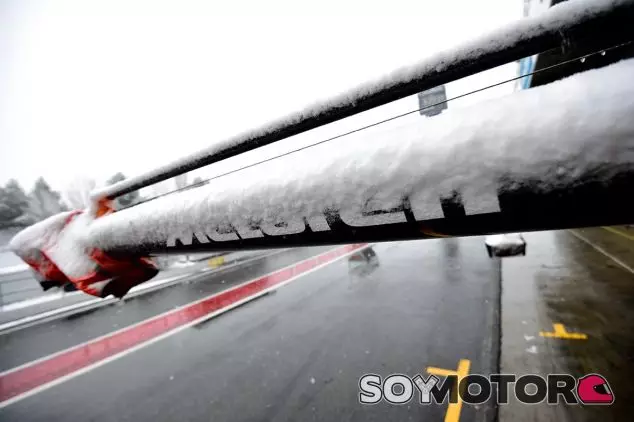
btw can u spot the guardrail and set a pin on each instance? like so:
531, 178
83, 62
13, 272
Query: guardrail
64, 308
16, 284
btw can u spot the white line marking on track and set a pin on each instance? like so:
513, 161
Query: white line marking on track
160, 337
127, 327
148, 287
602, 251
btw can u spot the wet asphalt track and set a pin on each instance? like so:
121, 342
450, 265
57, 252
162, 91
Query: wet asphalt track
294, 354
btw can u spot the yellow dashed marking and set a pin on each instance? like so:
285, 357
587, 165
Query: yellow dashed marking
216, 261
559, 331
453, 409
441, 372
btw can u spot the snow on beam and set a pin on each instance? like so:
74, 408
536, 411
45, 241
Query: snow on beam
555, 137
606, 20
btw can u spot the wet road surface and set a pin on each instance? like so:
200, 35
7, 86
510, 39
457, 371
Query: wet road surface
584, 280
35, 342
295, 354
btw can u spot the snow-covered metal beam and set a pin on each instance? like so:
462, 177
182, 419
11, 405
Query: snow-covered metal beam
592, 23
552, 157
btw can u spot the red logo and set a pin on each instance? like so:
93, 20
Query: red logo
594, 389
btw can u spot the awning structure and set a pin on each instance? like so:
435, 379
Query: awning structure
573, 58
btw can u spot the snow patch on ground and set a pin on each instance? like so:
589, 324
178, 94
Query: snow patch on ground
182, 264
14, 269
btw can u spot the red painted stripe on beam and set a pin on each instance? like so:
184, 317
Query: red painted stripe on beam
44, 371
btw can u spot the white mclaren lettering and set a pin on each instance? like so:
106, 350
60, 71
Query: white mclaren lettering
202, 237
247, 232
216, 236
360, 216
318, 223
480, 202
425, 205
293, 226
355, 218
185, 237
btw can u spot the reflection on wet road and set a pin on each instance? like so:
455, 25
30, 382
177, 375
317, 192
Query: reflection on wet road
574, 280
309, 322
298, 354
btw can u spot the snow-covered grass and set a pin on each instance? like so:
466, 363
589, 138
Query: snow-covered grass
182, 264
584, 121
556, 19
13, 269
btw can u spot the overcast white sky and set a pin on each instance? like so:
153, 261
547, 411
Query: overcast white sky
94, 88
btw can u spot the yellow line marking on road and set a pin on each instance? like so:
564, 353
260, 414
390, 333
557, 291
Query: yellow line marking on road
441, 372
619, 232
453, 409
216, 261
559, 331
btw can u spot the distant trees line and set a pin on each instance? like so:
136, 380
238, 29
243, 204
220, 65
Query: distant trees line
19, 208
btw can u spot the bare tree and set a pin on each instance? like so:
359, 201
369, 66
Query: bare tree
14, 205
77, 192
43, 201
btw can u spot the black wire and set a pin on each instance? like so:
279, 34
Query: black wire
204, 182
